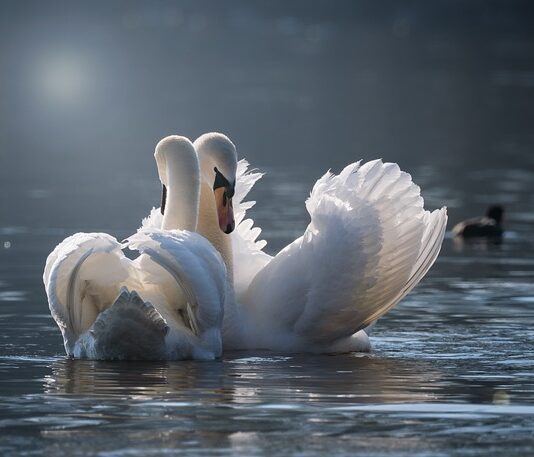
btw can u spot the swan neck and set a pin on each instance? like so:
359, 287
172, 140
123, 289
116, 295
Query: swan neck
208, 227
182, 203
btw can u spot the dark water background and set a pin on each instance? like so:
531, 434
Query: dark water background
444, 88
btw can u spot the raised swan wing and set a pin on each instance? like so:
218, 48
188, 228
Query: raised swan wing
369, 242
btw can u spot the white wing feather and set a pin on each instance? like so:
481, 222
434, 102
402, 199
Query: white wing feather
368, 244
153, 221
82, 277
248, 254
87, 275
195, 265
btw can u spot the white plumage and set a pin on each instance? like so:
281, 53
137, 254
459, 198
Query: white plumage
168, 303
248, 254
369, 242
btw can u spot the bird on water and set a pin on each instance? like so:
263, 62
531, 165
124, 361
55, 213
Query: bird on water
488, 226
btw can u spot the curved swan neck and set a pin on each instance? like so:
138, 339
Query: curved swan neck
215, 152
180, 173
208, 227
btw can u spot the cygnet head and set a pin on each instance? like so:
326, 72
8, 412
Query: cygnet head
218, 166
179, 173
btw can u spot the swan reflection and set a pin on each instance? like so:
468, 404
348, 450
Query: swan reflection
241, 379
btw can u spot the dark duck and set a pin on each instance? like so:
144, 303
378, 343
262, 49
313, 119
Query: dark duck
488, 226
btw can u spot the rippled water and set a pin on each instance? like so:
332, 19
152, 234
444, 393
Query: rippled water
451, 371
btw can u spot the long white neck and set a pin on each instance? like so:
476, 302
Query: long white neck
183, 190
215, 150
208, 227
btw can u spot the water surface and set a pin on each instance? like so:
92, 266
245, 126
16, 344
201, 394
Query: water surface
451, 369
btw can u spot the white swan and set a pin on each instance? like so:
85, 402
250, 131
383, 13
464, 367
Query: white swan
168, 303
369, 242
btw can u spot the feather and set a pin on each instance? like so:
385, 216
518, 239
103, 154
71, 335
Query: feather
174, 310
248, 255
369, 242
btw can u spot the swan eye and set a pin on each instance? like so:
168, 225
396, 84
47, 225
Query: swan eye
230, 190
220, 180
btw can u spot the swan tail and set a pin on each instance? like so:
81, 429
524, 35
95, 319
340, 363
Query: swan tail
81, 279
130, 329
369, 242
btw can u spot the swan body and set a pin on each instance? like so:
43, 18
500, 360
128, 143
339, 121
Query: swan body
168, 303
368, 244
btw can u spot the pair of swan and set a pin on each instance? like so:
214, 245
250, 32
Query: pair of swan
202, 280
168, 303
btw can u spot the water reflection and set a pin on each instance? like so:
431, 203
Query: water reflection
476, 244
243, 378
279, 404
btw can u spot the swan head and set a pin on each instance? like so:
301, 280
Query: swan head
218, 167
179, 173
173, 149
